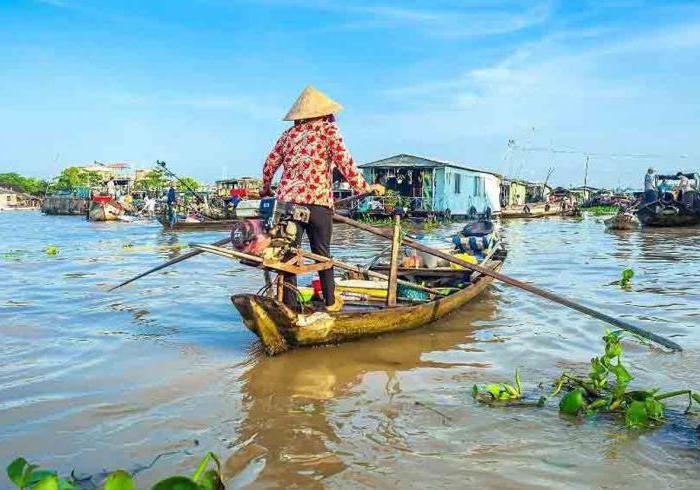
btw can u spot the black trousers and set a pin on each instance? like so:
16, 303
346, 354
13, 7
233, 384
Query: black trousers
319, 229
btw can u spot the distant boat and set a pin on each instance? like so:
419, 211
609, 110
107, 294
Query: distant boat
105, 208
65, 204
622, 221
246, 209
533, 210
673, 208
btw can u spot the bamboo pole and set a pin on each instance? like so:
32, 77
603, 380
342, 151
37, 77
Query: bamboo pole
394, 263
169, 263
233, 254
519, 284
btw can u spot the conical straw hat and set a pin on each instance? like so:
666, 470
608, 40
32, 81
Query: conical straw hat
312, 103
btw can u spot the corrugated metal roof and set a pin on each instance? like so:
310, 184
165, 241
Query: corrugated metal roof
406, 160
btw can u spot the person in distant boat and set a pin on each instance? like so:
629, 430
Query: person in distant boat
236, 195
111, 189
649, 186
149, 206
684, 184
664, 186
171, 201
308, 152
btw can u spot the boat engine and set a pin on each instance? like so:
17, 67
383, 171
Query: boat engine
274, 233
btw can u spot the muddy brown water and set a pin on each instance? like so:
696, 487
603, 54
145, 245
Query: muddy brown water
92, 381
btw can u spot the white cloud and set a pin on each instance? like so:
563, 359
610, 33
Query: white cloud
446, 19
625, 94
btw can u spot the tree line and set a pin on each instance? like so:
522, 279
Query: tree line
75, 177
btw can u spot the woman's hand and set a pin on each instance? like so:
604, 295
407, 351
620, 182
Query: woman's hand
377, 189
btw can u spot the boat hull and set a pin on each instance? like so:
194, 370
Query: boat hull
65, 206
533, 210
105, 211
281, 329
668, 215
199, 225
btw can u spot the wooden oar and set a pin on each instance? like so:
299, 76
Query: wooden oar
519, 284
169, 263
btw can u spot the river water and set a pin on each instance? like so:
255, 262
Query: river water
91, 380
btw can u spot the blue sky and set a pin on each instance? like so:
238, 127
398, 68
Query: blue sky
203, 84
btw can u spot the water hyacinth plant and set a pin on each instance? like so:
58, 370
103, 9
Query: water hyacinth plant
603, 391
26, 476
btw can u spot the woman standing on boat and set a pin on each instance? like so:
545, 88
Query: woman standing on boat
307, 153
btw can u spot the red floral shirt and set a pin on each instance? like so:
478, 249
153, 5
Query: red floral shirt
308, 152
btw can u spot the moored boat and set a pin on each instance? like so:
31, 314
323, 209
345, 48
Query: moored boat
65, 205
532, 210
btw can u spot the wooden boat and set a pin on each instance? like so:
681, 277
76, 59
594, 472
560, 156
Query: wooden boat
668, 211
65, 205
204, 224
218, 220
280, 328
532, 210
622, 221
673, 206
104, 208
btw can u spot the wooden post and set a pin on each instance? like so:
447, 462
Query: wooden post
268, 283
280, 287
394, 264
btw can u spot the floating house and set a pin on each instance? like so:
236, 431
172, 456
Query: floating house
11, 199
437, 186
513, 193
537, 192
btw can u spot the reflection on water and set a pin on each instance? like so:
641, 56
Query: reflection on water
94, 380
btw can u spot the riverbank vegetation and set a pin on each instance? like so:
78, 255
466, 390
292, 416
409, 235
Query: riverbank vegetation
20, 183
602, 210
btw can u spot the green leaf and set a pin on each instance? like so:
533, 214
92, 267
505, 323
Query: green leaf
203, 465
511, 391
621, 374
176, 483
518, 385
39, 475
655, 409
636, 415
66, 485
211, 480
119, 480
573, 402
627, 276
494, 389
596, 404
15, 472
48, 483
